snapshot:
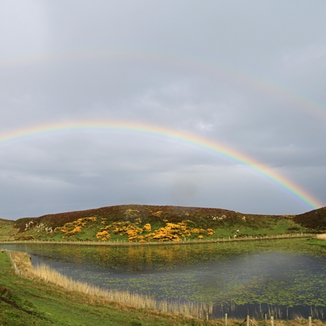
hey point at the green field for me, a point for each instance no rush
(7, 230)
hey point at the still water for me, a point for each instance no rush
(286, 278)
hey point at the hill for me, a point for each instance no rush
(148, 223)
(7, 229)
(314, 220)
(148, 214)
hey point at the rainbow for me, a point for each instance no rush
(309, 107)
(267, 173)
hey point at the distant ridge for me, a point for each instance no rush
(315, 219)
(116, 213)
(4, 220)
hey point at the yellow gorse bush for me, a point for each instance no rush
(71, 228)
(103, 235)
(147, 227)
(134, 231)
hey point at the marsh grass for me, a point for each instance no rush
(191, 309)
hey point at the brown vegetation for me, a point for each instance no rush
(315, 219)
(147, 213)
(321, 236)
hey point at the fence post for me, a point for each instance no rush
(226, 320)
(248, 320)
(272, 321)
(310, 322)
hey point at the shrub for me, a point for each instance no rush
(103, 235)
(147, 227)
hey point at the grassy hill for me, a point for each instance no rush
(148, 223)
(314, 220)
(7, 229)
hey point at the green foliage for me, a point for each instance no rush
(317, 242)
(136, 323)
(7, 230)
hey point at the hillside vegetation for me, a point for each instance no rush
(7, 229)
(146, 223)
(314, 220)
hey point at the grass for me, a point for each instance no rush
(124, 297)
(318, 242)
(7, 230)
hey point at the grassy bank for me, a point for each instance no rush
(50, 300)
(123, 243)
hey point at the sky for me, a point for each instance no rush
(191, 103)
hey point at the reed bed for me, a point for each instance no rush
(191, 309)
(321, 236)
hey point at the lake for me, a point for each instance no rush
(285, 278)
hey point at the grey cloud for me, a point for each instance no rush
(248, 77)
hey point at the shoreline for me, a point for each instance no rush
(161, 243)
(24, 269)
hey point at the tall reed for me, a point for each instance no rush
(192, 309)
(321, 236)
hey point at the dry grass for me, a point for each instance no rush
(21, 262)
(321, 236)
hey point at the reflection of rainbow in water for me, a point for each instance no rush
(175, 62)
(267, 173)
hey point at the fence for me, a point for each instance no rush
(17, 271)
(184, 241)
(250, 322)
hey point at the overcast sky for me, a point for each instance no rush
(246, 75)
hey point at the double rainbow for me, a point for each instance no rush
(264, 171)
(308, 106)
